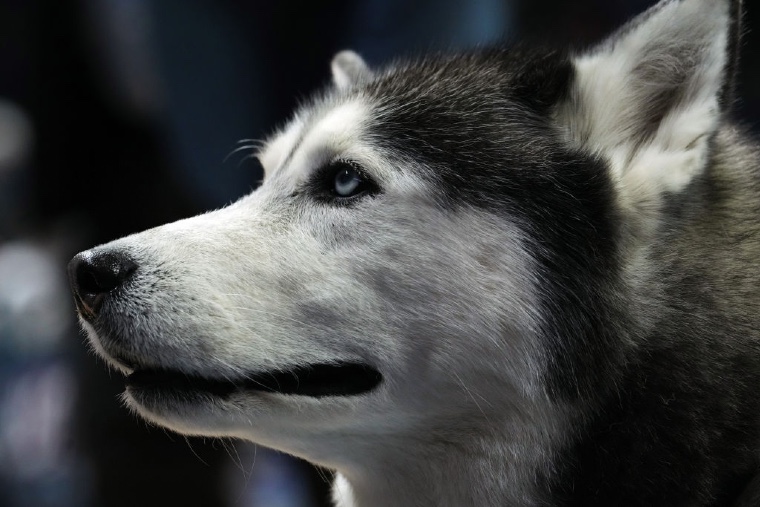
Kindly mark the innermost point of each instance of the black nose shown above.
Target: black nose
(94, 275)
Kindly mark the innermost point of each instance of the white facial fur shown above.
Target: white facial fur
(275, 281)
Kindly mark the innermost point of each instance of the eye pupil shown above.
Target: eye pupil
(347, 182)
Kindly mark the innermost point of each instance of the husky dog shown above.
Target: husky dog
(501, 277)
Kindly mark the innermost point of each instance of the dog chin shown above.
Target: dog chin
(264, 417)
(199, 417)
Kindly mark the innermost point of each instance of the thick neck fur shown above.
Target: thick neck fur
(495, 470)
(681, 426)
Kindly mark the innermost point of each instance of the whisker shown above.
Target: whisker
(227, 445)
(187, 440)
(252, 145)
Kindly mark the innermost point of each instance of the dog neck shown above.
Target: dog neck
(500, 469)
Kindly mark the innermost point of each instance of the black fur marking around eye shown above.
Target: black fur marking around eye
(323, 185)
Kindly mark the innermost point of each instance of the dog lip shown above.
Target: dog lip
(85, 311)
(316, 380)
(126, 362)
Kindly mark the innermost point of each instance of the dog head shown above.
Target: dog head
(437, 245)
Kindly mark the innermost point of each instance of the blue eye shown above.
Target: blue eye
(342, 183)
(348, 181)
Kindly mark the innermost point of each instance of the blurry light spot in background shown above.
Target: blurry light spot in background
(272, 479)
(39, 465)
(35, 416)
(35, 310)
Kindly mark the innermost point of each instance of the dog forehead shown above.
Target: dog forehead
(441, 113)
(330, 128)
(333, 129)
(454, 108)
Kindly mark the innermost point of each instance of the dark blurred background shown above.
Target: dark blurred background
(119, 115)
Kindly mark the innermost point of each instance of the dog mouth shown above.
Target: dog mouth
(317, 381)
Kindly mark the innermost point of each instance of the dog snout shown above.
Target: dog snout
(94, 275)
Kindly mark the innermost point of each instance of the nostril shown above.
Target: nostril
(92, 275)
(103, 274)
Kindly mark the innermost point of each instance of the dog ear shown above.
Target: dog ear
(349, 69)
(650, 98)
